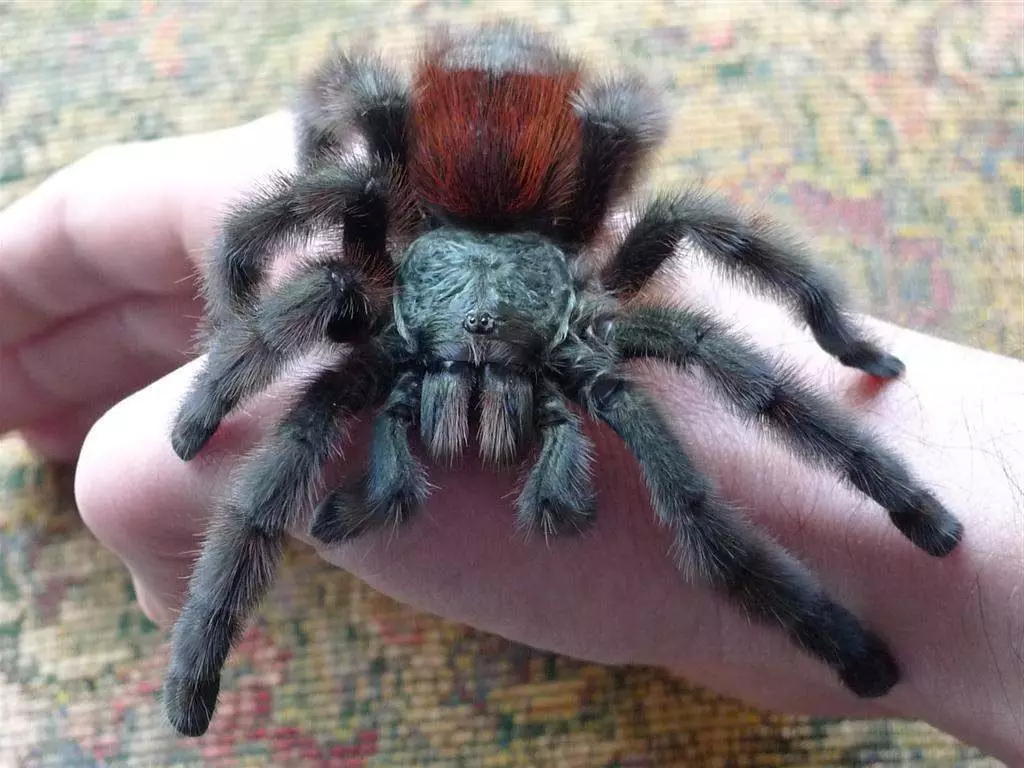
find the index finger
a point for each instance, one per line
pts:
(127, 220)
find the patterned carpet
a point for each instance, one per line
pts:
(891, 132)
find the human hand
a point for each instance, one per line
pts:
(613, 595)
(97, 266)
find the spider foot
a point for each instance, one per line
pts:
(872, 360)
(189, 436)
(189, 704)
(345, 513)
(555, 514)
(872, 671)
(341, 516)
(929, 525)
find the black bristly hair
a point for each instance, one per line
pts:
(464, 291)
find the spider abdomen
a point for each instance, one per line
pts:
(495, 141)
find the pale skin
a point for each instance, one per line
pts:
(97, 314)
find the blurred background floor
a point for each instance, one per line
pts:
(890, 133)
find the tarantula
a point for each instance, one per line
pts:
(461, 281)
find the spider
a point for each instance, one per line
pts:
(460, 282)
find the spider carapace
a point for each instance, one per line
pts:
(462, 211)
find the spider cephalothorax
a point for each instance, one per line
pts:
(463, 287)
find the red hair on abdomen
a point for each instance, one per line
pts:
(494, 148)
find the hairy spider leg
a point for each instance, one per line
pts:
(361, 193)
(349, 98)
(245, 540)
(558, 495)
(394, 484)
(623, 123)
(810, 424)
(751, 249)
(715, 545)
(328, 300)
(323, 301)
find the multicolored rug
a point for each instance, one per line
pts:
(891, 132)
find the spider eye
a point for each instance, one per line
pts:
(479, 322)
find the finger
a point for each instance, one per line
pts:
(126, 220)
(99, 357)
